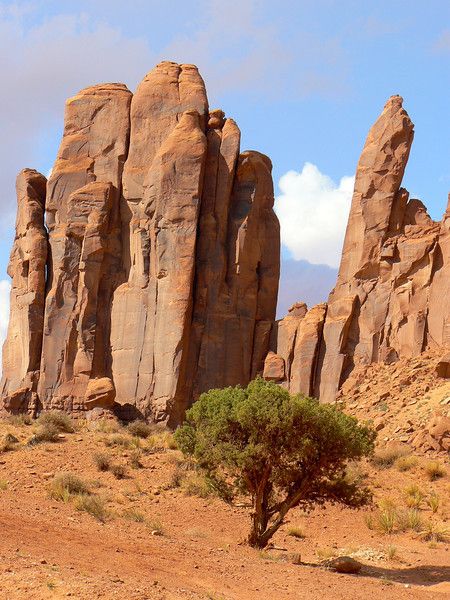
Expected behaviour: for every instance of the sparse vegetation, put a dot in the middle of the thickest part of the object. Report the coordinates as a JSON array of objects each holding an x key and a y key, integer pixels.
[
  {"x": 434, "y": 470},
  {"x": 281, "y": 450},
  {"x": 45, "y": 433},
  {"x": 156, "y": 528},
  {"x": 414, "y": 496},
  {"x": 296, "y": 532},
  {"x": 139, "y": 429},
  {"x": 118, "y": 439},
  {"x": 119, "y": 471},
  {"x": 20, "y": 420},
  {"x": 384, "y": 458},
  {"x": 57, "y": 419},
  {"x": 134, "y": 515},
  {"x": 406, "y": 463},
  {"x": 435, "y": 532},
  {"x": 93, "y": 505},
  {"x": 386, "y": 519},
  {"x": 8, "y": 443},
  {"x": 65, "y": 485},
  {"x": 409, "y": 520},
  {"x": 3, "y": 485},
  {"x": 391, "y": 553},
  {"x": 434, "y": 502},
  {"x": 102, "y": 461},
  {"x": 135, "y": 459}
]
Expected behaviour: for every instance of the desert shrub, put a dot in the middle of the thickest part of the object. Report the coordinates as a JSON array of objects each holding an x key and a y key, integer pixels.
[
  {"x": 8, "y": 443},
  {"x": 65, "y": 485},
  {"x": 433, "y": 531},
  {"x": 196, "y": 484},
  {"x": 162, "y": 440},
  {"x": 391, "y": 553},
  {"x": 409, "y": 520},
  {"x": 134, "y": 515},
  {"x": 93, "y": 505},
  {"x": 139, "y": 429},
  {"x": 102, "y": 461},
  {"x": 135, "y": 459},
  {"x": 58, "y": 419},
  {"x": 119, "y": 471},
  {"x": 434, "y": 502},
  {"x": 434, "y": 470},
  {"x": 20, "y": 420},
  {"x": 406, "y": 463},
  {"x": 414, "y": 496},
  {"x": 384, "y": 458},
  {"x": 296, "y": 532},
  {"x": 106, "y": 426},
  {"x": 156, "y": 528},
  {"x": 117, "y": 439},
  {"x": 281, "y": 450},
  {"x": 386, "y": 519},
  {"x": 45, "y": 433}
]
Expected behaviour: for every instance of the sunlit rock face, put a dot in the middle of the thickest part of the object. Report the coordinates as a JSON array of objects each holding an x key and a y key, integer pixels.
[
  {"x": 145, "y": 271},
  {"x": 391, "y": 298}
]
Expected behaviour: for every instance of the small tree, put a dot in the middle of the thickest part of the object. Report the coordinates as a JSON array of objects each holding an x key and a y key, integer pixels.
[{"x": 282, "y": 450}]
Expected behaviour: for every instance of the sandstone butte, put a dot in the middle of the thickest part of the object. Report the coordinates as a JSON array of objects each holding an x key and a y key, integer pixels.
[
  {"x": 145, "y": 271},
  {"x": 392, "y": 296}
]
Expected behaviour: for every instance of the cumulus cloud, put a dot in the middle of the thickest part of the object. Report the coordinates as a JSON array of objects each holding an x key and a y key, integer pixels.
[
  {"x": 5, "y": 288},
  {"x": 313, "y": 212}
]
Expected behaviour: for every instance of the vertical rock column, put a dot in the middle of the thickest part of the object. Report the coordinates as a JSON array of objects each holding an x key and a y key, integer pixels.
[
  {"x": 162, "y": 184},
  {"x": 22, "y": 349},
  {"x": 356, "y": 317},
  {"x": 84, "y": 233}
]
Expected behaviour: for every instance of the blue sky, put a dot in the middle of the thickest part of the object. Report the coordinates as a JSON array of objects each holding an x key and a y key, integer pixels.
[{"x": 303, "y": 79}]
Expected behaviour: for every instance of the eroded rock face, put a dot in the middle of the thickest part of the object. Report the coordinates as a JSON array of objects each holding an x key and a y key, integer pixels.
[
  {"x": 162, "y": 273},
  {"x": 27, "y": 269},
  {"x": 391, "y": 299}
]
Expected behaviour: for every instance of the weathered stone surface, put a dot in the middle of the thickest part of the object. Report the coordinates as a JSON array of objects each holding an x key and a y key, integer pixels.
[
  {"x": 163, "y": 268},
  {"x": 22, "y": 349},
  {"x": 274, "y": 368},
  {"x": 392, "y": 296}
]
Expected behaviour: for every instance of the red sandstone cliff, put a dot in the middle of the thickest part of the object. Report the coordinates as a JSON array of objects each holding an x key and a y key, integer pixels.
[
  {"x": 156, "y": 275},
  {"x": 391, "y": 300}
]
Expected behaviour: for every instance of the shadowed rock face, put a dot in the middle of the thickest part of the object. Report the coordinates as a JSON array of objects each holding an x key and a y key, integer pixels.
[
  {"x": 391, "y": 299},
  {"x": 156, "y": 276}
]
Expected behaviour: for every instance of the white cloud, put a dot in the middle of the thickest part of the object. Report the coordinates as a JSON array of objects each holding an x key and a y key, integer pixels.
[
  {"x": 313, "y": 212},
  {"x": 5, "y": 288}
]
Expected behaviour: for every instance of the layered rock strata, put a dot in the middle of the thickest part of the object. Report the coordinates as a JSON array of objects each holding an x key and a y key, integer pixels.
[
  {"x": 156, "y": 275},
  {"x": 391, "y": 300}
]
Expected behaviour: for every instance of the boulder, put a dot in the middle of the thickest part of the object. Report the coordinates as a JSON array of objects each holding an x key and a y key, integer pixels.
[
  {"x": 344, "y": 564},
  {"x": 100, "y": 393}
]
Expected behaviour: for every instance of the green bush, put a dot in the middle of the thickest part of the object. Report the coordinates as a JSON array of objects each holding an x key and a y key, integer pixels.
[{"x": 281, "y": 450}]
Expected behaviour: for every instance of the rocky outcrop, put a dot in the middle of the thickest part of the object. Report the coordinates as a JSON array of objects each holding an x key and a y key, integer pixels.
[
  {"x": 391, "y": 300},
  {"x": 163, "y": 256},
  {"x": 27, "y": 269}
]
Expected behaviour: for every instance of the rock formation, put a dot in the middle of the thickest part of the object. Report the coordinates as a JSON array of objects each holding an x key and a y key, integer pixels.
[
  {"x": 156, "y": 275},
  {"x": 391, "y": 300}
]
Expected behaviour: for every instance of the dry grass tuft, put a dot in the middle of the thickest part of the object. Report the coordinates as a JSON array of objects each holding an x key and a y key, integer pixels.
[
  {"x": 102, "y": 461},
  {"x": 385, "y": 458},
  {"x": 414, "y": 496},
  {"x": 434, "y": 470},
  {"x": 119, "y": 471},
  {"x": 93, "y": 505},
  {"x": 58, "y": 419},
  {"x": 435, "y": 532},
  {"x": 296, "y": 532},
  {"x": 45, "y": 433},
  {"x": 66, "y": 485},
  {"x": 406, "y": 463},
  {"x": 134, "y": 515},
  {"x": 140, "y": 429}
]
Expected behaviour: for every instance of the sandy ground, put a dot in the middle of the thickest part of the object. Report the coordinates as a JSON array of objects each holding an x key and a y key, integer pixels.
[{"x": 48, "y": 549}]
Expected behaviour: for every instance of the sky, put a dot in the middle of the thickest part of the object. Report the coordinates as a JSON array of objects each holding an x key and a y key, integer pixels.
[{"x": 304, "y": 79}]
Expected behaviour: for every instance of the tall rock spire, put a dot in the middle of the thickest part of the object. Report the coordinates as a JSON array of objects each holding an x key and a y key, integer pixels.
[{"x": 162, "y": 275}]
